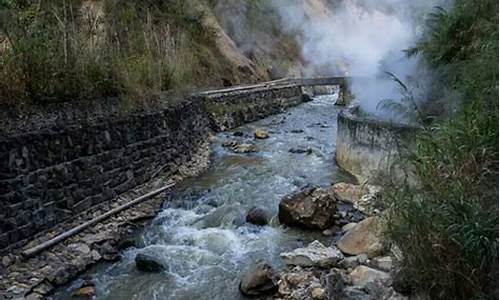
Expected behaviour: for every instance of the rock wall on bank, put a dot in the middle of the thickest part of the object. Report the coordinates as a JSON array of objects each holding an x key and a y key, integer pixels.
[{"x": 54, "y": 173}]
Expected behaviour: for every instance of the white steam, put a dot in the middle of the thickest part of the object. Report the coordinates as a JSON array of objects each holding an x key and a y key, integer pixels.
[{"x": 358, "y": 38}]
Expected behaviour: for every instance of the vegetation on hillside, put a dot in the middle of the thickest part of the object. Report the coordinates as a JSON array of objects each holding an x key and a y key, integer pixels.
[
  {"x": 447, "y": 227},
  {"x": 63, "y": 50}
]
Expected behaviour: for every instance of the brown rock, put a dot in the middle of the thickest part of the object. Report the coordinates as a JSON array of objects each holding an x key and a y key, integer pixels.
[
  {"x": 261, "y": 280},
  {"x": 318, "y": 293},
  {"x": 312, "y": 208},
  {"x": 365, "y": 237},
  {"x": 349, "y": 192},
  {"x": 261, "y": 134},
  {"x": 86, "y": 292}
]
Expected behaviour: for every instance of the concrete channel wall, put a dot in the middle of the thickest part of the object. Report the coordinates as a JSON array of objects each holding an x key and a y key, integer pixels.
[{"x": 370, "y": 149}]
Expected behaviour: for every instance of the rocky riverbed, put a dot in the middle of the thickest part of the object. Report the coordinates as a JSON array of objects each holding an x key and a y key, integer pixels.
[{"x": 264, "y": 221}]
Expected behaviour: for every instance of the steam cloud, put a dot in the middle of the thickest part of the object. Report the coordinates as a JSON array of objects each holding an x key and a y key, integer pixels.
[{"x": 359, "y": 38}]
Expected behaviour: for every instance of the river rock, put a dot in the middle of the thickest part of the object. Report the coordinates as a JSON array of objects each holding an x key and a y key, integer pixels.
[
  {"x": 314, "y": 255},
  {"x": 244, "y": 148},
  {"x": 261, "y": 280},
  {"x": 258, "y": 216},
  {"x": 349, "y": 192},
  {"x": 33, "y": 296},
  {"x": 353, "y": 261},
  {"x": 261, "y": 134},
  {"x": 306, "y": 98},
  {"x": 348, "y": 226},
  {"x": 383, "y": 263},
  {"x": 236, "y": 147},
  {"x": 312, "y": 208},
  {"x": 150, "y": 259},
  {"x": 86, "y": 292},
  {"x": 300, "y": 150},
  {"x": 365, "y": 198},
  {"x": 318, "y": 293},
  {"x": 299, "y": 284},
  {"x": 365, "y": 237},
  {"x": 363, "y": 275}
]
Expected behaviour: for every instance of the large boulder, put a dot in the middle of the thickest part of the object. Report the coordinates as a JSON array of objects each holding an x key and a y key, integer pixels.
[
  {"x": 314, "y": 255},
  {"x": 366, "y": 237},
  {"x": 311, "y": 208},
  {"x": 258, "y": 216},
  {"x": 261, "y": 280}
]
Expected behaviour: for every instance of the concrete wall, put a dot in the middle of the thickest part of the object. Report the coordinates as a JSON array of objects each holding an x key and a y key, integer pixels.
[
  {"x": 370, "y": 149},
  {"x": 72, "y": 161}
]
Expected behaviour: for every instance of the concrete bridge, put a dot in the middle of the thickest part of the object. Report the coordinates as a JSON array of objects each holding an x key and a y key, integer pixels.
[{"x": 310, "y": 86}]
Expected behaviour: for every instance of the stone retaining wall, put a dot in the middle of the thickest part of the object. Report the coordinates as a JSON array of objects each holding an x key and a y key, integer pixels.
[
  {"x": 369, "y": 149},
  {"x": 230, "y": 109},
  {"x": 53, "y": 171},
  {"x": 53, "y": 174}
]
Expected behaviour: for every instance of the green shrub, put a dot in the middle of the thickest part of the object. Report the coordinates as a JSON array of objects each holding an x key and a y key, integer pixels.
[
  {"x": 58, "y": 51},
  {"x": 447, "y": 226}
]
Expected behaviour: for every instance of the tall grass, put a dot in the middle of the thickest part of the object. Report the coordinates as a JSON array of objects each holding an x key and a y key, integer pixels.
[
  {"x": 69, "y": 49},
  {"x": 447, "y": 227}
]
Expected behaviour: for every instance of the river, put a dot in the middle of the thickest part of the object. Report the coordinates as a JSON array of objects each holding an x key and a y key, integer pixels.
[{"x": 202, "y": 225}]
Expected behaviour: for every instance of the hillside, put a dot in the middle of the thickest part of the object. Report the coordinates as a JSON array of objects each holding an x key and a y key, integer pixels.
[{"x": 86, "y": 49}]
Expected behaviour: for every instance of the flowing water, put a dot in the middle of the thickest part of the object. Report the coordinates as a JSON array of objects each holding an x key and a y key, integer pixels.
[{"x": 201, "y": 231}]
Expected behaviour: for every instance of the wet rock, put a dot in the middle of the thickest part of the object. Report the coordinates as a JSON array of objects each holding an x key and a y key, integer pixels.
[
  {"x": 236, "y": 147},
  {"x": 86, "y": 292},
  {"x": 297, "y": 131},
  {"x": 244, "y": 148},
  {"x": 258, "y": 216},
  {"x": 238, "y": 133},
  {"x": 363, "y": 275},
  {"x": 306, "y": 98},
  {"x": 261, "y": 134},
  {"x": 314, "y": 255},
  {"x": 261, "y": 280},
  {"x": 300, "y": 150},
  {"x": 365, "y": 237},
  {"x": 229, "y": 144},
  {"x": 149, "y": 262},
  {"x": 311, "y": 208}
]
